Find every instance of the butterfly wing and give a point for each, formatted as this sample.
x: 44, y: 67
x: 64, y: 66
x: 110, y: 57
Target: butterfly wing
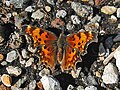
x: 76, y: 44
x: 46, y: 40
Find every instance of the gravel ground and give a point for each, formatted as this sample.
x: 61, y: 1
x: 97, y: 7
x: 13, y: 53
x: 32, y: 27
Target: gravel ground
x: 21, y: 66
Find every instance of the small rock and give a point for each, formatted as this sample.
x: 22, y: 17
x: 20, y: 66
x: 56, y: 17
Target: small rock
x: 117, y: 38
x: 110, y: 74
x: 29, y: 62
x: 81, y: 10
x: 51, y: 2
x: 11, y: 56
x: 98, y: 2
x: 75, y: 19
x: 6, y: 80
x: 70, y: 26
x: 3, y: 63
x: 118, y: 13
x: 91, y: 88
x: 101, y: 50
x: 61, y: 13
x: 24, y: 53
x: 1, y: 57
x: 29, y: 9
x: 32, y: 85
x: 95, y: 19
x: 17, y: 3
x: 7, y: 3
x: 49, y: 83
x: 70, y: 87
x: 48, y: 8
x: 118, y: 26
x: 76, y: 73
x: 91, y: 80
x: 14, y: 70
x: 44, y: 72
x: 117, y: 57
x: 108, y: 9
x: 38, y: 15
x: 97, y: 73
x: 80, y: 88
x: 113, y: 19
x: 32, y: 49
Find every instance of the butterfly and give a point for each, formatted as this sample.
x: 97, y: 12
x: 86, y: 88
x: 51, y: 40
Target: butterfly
x: 64, y: 50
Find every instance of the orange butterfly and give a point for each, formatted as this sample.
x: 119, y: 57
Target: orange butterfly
x: 65, y: 50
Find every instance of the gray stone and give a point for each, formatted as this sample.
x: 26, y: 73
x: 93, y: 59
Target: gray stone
x: 11, y: 56
x: 14, y: 70
x: 91, y: 80
x: 29, y: 62
x: 101, y: 50
x: 109, y: 42
x: 91, y: 88
x: 51, y: 2
x: 110, y: 74
x: 37, y: 15
x: 61, y: 13
x: 17, y: 3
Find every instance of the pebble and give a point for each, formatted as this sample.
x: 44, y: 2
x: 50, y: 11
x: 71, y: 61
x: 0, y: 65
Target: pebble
x: 6, y: 80
x: 91, y: 88
x: 29, y: 9
x: 48, y: 8
x: 49, y: 83
x: 117, y: 38
x: 3, y: 63
x: 113, y: 19
x: 32, y: 49
x: 118, y: 13
x: 95, y: 19
x: 11, y: 56
x: 108, y: 9
x: 51, y: 2
x: 61, y: 13
x: 91, y: 80
x: 24, y: 53
x: 29, y: 62
x: 37, y: 15
x: 70, y: 87
x: 117, y: 57
x: 81, y: 10
x: 97, y: 73
x: 70, y: 26
x: 110, y: 74
x: 75, y: 74
x: 118, y: 26
x: 75, y: 19
x: 101, y: 50
x: 14, y: 70
x: 7, y: 3
x: 3, y: 87
x: 17, y: 3
x: 32, y: 85
x: 80, y: 88
x: 44, y: 72
x: 1, y: 57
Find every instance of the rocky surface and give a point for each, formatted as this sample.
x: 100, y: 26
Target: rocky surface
x: 20, y: 67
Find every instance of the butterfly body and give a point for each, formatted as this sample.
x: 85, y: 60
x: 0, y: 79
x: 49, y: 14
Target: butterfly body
x: 65, y: 50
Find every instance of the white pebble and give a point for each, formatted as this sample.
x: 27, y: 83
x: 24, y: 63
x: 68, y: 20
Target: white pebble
x: 110, y: 74
x: 11, y: 56
x: 37, y: 15
x: 75, y: 19
x: 29, y: 9
x: 29, y: 62
x: 24, y: 53
x: 117, y: 57
x: 61, y: 13
x: 91, y: 88
x: 14, y: 70
x: 118, y: 13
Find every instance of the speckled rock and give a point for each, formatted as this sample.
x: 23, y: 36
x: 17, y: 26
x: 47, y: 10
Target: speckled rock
x: 49, y: 83
x: 37, y: 14
x: 108, y: 9
x: 75, y: 19
x: 14, y: 70
x: 91, y: 88
x: 11, y: 56
x: 110, y: 74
